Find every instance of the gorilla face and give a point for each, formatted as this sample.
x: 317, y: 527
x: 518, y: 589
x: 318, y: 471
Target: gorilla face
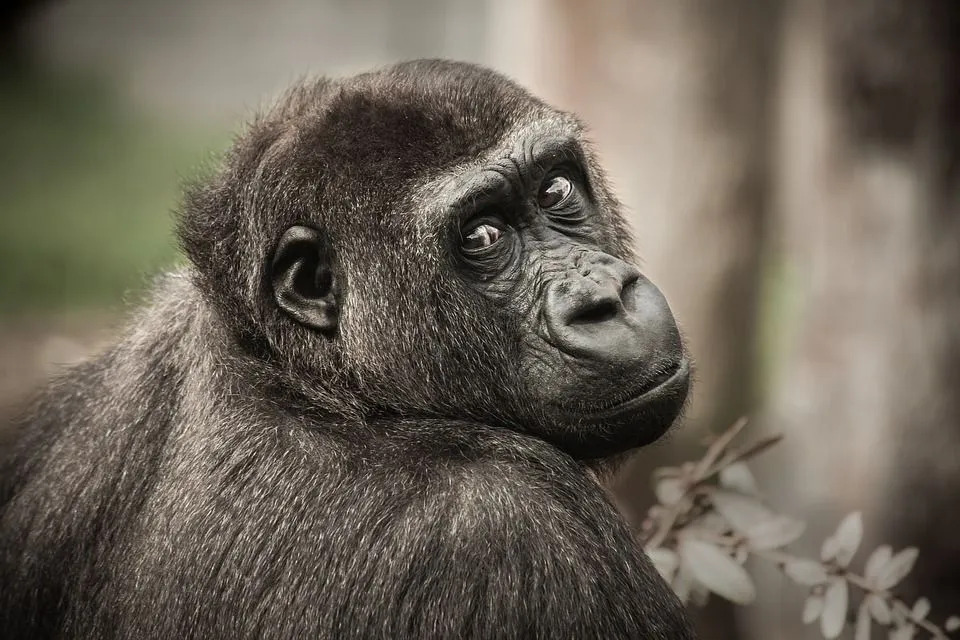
x: 484, y: 272
x: 602, y: 359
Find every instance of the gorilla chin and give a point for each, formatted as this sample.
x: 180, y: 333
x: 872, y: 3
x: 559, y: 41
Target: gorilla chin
x: 606, y: 433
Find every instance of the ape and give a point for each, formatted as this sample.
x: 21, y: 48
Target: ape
x: 369, y: 407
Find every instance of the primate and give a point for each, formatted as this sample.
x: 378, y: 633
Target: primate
x: 372, y: 404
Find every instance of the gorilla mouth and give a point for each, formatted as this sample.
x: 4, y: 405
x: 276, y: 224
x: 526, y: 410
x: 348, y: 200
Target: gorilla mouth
x: 656, y: 389
x: 601, y: 431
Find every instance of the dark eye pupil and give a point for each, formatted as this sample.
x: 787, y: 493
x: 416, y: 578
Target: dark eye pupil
x: 482, y: 236
x: 554, y: 192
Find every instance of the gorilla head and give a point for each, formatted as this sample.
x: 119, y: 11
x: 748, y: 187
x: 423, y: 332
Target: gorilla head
x: 431, y: 240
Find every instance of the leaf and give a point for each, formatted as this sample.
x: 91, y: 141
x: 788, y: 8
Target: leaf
x: 920, y: 609
x: 903, y: 633
x: 898, y: 568
x: 699, y: 595
x: 900, y: 613
x: 775, y: 533
x: 742, y: 512
x: 877, y: 562
x: 806, y: 572
x: 717, y: 571
x: 848, y: 537
x: 834, y: 609
x: 879, y: 609
x: 863, y: 624
x: 669, y: 490
x: 665, y: 561
x: 712, y: 523
x: 682, y: 584
x: 829, y: 549
x: 952, y: 623
x: 740, y: 554
x: 812, y: 609
x: 738, y: 477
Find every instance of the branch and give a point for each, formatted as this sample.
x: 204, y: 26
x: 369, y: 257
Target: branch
x: 711, y: 518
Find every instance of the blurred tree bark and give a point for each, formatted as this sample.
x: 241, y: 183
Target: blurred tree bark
x: 869, y: 239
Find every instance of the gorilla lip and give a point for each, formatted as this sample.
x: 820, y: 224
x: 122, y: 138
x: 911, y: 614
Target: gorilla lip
x: 662, y: 385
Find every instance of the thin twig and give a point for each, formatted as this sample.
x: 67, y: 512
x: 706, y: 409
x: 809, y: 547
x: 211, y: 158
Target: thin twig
x: 718, y: 447
x: 749, y: 452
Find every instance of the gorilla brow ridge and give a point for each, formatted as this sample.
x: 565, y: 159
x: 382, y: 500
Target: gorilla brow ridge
x: 471, y: 199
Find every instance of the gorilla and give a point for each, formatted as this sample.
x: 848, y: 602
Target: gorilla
x: 376, y: 401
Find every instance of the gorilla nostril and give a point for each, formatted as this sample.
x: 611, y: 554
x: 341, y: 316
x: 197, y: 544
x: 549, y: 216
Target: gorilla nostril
x: 595, y: 313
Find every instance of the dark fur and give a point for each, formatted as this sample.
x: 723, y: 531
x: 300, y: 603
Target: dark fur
x: 225, y: 472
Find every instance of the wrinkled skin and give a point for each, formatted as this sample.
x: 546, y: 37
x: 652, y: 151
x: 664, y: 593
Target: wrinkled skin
x: 601, y: 358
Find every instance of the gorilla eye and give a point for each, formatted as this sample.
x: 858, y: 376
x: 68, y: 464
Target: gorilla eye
x: 482, y: 236
x: 554, y: 191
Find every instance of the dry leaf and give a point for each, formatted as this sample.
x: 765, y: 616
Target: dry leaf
x: 903, y: 633
x: 829, y: 549
x: 805, y: 572
x: 682, y: 584
x: 812, y: 609
x: 742, y: 512
x: 740, y: 554
x: 848, y: 537
x: 666, y: 562
x: 834, y: 609
x: 669, y: 490
x: 711, y: 522
x: 900, y: 612
x: 877, y: 562
x: 898, y: 568
x: 699, y: 595
x: 920, y: 609
x: 879, y: 609
x: 777, y: 532
x: 738, y: 477
x: 717, y: 571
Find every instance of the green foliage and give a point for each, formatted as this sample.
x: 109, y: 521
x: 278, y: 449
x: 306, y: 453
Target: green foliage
x: 87, y: 190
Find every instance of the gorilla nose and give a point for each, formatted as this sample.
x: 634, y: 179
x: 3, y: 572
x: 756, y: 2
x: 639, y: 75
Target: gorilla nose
x: 613, y: 315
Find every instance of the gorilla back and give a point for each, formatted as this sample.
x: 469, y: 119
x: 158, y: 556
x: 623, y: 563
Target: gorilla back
x: 369, y: 406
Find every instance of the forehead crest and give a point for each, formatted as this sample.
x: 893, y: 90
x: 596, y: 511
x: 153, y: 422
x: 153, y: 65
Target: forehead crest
x: 408, y: 119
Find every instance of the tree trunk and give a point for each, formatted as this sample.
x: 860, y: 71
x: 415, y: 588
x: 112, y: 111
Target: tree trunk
x: 869, y: 232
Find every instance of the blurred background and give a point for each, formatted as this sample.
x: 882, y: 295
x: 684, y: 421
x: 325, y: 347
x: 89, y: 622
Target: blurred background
x: 790, y: 168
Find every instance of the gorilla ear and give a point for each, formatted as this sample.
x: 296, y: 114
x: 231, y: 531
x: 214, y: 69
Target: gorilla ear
x: 303, y: 282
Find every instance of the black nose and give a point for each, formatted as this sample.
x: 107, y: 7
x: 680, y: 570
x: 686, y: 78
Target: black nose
x: 612, y: 314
